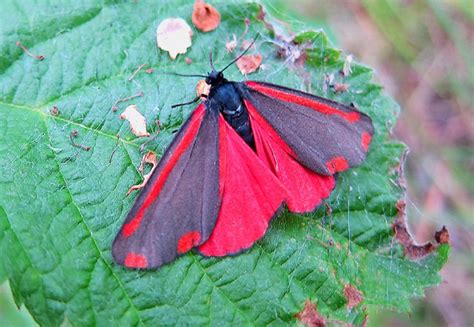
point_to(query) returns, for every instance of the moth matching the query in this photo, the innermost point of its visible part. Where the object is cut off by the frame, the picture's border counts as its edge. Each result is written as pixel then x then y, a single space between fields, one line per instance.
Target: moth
pixel 246 151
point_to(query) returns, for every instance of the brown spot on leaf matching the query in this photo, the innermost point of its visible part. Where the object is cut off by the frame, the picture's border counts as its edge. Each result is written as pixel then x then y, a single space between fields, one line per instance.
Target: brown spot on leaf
pixel 328 209
pixel 205 17
pixel 249 63
pixel 301 59
pixel 188 61
pixel 261 13
pixel 340 87
pixel 442 236
pixel 54 111
pixel 174 35
pixel 310 316
pixel 366 320
pixel 413 250
pixel 150 158
pixel 353 296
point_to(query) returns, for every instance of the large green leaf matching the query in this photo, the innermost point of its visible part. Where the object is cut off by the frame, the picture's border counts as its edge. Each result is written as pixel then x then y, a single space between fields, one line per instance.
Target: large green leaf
pixel 61 206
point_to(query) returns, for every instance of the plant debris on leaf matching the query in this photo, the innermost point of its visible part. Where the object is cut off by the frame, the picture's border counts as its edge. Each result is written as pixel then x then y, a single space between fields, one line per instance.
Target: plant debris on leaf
pixel 231 44
pixel 202 88
pixel 249 63
pixel 150 158
pixel 412 250
pixel 174 35
pixel 309 316
pixel 347 68
pixel 353 296
pixel 205 17
pixel 136 120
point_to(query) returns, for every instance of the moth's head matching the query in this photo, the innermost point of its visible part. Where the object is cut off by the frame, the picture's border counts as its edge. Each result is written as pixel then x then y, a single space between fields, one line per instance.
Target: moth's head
pixel 215 78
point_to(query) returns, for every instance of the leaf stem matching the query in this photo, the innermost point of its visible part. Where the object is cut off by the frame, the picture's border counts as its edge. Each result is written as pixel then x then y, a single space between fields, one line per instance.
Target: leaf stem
pixel 115 108
pixel 136 72
pixel 74 134
pixel 28 52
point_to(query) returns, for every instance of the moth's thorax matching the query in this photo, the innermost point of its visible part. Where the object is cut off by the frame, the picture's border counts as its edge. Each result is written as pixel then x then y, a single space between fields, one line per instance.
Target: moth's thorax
pixel 227 99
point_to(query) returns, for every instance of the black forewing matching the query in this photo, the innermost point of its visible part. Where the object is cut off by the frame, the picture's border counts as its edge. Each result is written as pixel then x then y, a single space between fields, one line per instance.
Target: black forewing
pixel 316 138
pixel 188 202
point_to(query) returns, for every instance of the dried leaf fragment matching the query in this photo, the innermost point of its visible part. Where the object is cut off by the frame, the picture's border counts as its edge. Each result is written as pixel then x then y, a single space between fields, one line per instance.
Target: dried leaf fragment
pixel 174 35
pixel 442 236
pixel 249 63
pixel 353 296
pixel 150 158
pixel 412 250
pixel 247 44
pixel 347 68
pixel 136 120
pixel 232 44
pixel 205 17
pixel 202 88
pixel 310 316
pixel 340 87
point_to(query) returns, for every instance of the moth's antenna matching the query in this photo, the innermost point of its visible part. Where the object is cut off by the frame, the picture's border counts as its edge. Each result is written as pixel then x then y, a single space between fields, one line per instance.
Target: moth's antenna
pixel 184 75
pixel 244 52
pixel 210 60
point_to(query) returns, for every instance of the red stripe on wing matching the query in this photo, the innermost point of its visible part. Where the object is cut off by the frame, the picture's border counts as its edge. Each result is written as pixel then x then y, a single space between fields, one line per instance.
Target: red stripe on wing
pixel 251 196
pixel 302 101
pixel 132 226
pixel 306 189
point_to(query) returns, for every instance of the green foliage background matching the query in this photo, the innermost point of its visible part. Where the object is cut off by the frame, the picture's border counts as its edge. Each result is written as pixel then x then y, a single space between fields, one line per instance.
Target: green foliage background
pixel 60 206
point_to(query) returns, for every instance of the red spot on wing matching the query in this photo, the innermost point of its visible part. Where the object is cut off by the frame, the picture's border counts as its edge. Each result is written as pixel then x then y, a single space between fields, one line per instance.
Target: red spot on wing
pixel 134 260
pixel 251 196
pixel 302 101
pixel 365 142
pixel 188 241
pixel 196 119
pixel 306 189
pixel 337 164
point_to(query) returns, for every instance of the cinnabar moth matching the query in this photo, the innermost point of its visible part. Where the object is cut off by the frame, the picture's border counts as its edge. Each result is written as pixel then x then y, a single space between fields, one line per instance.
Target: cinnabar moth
pixel 249 148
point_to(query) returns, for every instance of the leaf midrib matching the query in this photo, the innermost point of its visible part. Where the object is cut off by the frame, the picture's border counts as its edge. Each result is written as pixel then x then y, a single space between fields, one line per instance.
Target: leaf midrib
pixel 89 231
